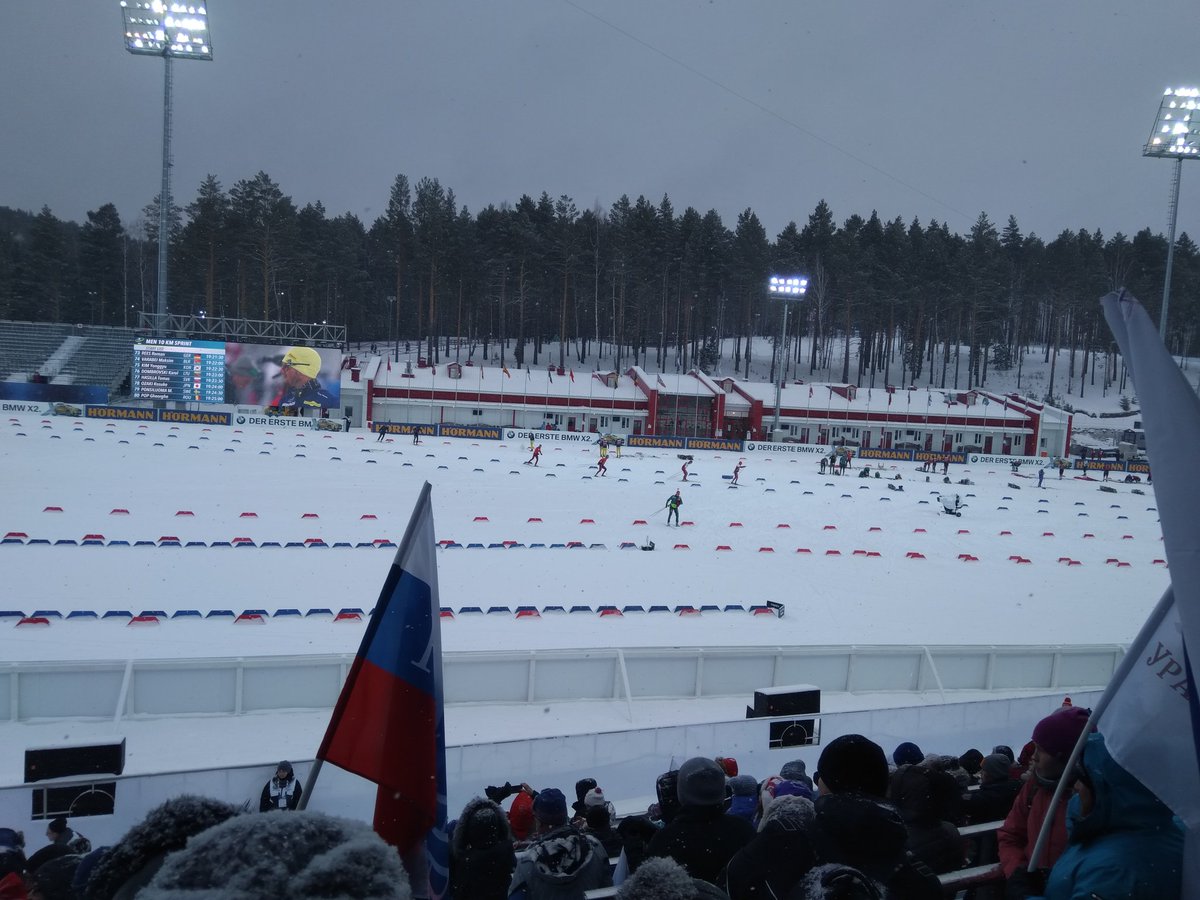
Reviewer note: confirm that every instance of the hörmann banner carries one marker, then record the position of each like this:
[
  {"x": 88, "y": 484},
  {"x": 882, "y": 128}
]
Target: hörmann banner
[
  {"x": 403, "y": 428},
  {"x": 194, "y": 417},
  {"x": 473, "y": 432},
  {"x": 650, "y": 440},
  {"x": 132, "y": 413},
  {"x": 729, "y": 445}
]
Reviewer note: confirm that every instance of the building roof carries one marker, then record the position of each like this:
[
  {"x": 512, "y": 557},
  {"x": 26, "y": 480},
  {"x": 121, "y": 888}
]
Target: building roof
[{"x": 491, "y": 379}]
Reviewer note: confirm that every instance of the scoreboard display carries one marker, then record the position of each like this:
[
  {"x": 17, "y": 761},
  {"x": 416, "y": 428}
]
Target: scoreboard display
[
  {"x": 184, "y": 370},
  {"x": 230, "y": 372}
]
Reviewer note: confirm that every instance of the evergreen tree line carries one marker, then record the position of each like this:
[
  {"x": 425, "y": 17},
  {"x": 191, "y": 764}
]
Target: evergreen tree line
[{"x": 541, "y": 282}]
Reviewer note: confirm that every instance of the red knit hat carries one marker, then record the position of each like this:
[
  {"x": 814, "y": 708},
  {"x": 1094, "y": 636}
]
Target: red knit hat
[{"x": 1059, "y": 731}]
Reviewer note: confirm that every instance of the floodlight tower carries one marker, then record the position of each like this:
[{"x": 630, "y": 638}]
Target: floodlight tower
[
  {"x": 786, "y": 288},
  {"x": 1176, "y": 136},
  {"x": 169, "y": 30}
]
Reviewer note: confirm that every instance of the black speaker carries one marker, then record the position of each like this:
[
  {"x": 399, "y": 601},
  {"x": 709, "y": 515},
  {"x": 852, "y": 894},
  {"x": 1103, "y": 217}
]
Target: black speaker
[
  {"x": 790, "y": 700},
  {"x": 63, "y": 762}
]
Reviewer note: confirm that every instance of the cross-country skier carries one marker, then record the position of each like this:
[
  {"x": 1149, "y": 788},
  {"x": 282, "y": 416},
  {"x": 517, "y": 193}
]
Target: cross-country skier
[
  {"x": 737, "y": 470},
  {"x": 537, "y": 454},
  {"x": 600, "y": 466},
  {"x": 673, "y": 503}
]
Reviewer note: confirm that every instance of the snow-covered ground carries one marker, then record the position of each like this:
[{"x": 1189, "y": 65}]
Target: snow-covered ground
[{"x": 485, "y": 494}]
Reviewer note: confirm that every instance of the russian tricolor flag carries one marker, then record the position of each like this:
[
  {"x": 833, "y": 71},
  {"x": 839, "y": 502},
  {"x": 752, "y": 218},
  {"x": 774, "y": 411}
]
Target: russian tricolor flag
[{"x": 389, "y": 722}]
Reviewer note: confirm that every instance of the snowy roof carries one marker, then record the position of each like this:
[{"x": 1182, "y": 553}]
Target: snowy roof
[
  {"x": 489, "y": 378},
  {"x": 675, "y": 384},
  {"x": 819, "y": 396}
]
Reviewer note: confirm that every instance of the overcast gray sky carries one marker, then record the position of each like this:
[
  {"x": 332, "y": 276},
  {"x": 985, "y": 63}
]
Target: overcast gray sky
[{"x": 927, "y": 108}]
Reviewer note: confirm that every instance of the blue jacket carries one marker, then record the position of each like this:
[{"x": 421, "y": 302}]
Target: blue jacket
[{"x": 1129, "y": 846}]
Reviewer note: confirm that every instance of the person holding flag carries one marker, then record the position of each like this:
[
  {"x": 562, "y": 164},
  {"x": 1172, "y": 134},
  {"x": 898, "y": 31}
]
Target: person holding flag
[
  {"x": 1149, "y": 713},
  {"x": 388, "y": 725}
]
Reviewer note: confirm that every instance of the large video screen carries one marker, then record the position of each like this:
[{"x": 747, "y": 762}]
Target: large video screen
[{"x": 282, "y": 377}]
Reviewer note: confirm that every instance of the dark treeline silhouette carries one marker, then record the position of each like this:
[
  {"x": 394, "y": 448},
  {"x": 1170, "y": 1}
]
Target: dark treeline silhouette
[{"x": 540, "y": 282}]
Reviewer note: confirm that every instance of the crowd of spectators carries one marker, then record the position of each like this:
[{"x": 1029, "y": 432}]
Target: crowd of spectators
[{"x": 859, "y": 827}]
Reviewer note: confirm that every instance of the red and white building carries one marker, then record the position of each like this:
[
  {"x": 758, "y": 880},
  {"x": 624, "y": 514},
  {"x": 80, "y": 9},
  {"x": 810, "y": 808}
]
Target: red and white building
[{"x": 694, "y": 404}]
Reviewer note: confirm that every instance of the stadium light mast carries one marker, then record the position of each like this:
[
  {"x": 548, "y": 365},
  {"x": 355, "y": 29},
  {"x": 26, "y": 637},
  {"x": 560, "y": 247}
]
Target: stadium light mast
[
  {"x": 786, "y": 288},
  {"x": 1176, "y": 135},
  {"x": 169, "y": 30}
]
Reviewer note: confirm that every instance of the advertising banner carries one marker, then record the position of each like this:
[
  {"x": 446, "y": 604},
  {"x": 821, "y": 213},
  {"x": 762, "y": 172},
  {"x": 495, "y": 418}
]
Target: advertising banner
[
  {"x": 194, "y": 417},
  {"x": 786, "y": 447},
  {"x": 474, "y": 432},
  {"x": 652, "y": 441},
  {"x": 130, "y": 413},
  {"x": 729, "y": 445},
  {"x": 549, "y": 437},
  {"x": 403, "y": 428},
  {"x": 254, "y": 416},
  {"x": 53, "y": 393}
]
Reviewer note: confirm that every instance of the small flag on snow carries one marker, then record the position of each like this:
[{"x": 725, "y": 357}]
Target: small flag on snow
[
  {"x": 810, "y": 392},
  {"x": 504, "y": 369},
  {"x": 662, "y": 384},
  {"x": 572, "y": 373}
]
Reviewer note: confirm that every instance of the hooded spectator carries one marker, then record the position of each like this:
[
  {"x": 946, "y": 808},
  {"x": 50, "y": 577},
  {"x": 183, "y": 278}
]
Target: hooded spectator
[
  {"x": 481, "y": 852},
  {"x": 12, "y": 864},
  {"x": 852, "y": 764},
  {"x": 582, "y": 786},
  {"x": 598, "y": 823},
  {"x": 797, "y": 771},
  {"x": 60, "y": 837},
  {"x": 775, "y": 786},
  {"x": 932, "y": 839},
  {"x": 971, "y": 761},
  {"x": 837, "y": 883},
  {"x": 304, "y": 856},
  {"x": 1053, "y": 737},
  {"x": 283, "y": 791},
  {"x": 54, "y": 879},
  {"x": 132, "y": 861},
  {"x": 997, "y": 790},
  {"x": 701, "y": 838},
  {"x": 562, "y": 861},
  {"x": 743, "y": 800},
  {"x": 636, "y": 833},
  {"x": 1122, "y": 840},
  {"x": 855, "y": 827},
  {"x": 778, "y": 856},
  {"x": 667, "y": 789},
  {"x": 665, "y": 879},
  {"x": 907, "y": 754}
]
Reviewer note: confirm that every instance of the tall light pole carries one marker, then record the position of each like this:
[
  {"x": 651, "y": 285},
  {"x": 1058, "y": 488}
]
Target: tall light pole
[
  {"x": 786, "y": 288},
  {"x": 1176, "y": 135},
  {"x": 169, "y": 30}
]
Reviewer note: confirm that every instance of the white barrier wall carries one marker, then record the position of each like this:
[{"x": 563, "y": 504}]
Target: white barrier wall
[
  {"x": 150, "y": 688},
  {"x": 625, "y": 763}
]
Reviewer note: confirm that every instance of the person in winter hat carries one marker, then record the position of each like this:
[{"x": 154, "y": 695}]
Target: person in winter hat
[
  {"x": 743, "y": 800},
  {"x": 582, "y": 786},
  {"x": 834, "y": 882},
  {"x": 562, "y": 861},
  {"x": 302, "y": 856},
  {"x": 481, "y": 852},
  {"x": 907, "y": 754},
  {"x": 132, "y": 861},
  {"x": 778, "y": 856},
  {"x": 664, "y": 879},
  {"x": 667, "y": 789},
  {"x": 1053, "y": 738},
  {"x": 971, "y": 761},
  {"x": 54, "y": 879},
  {"x": 796, "y": 770},
  {"x": 595, "y": 797},
  {"x": 852, "y": 763},
  {"x": 701, "y": 838},
  {"x": 1122, "y": 840},
  {"x": 598, "y": 823},
  {"x": 60, "y": 836},
  {"x": 934, "y": 840},
  {"x": 12, "y": 864},
  {"x": 728, "y": 765},
  {"x": 856, "y": 827},
  {"x": 283, "y": 791},
  {"x": 776, "y": 786}
]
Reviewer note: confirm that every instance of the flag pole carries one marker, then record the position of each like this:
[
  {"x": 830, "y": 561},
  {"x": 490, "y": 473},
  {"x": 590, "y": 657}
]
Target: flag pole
[
  {"x": 385, "y": 592},
  {"x": 1132, "y": 657}
]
